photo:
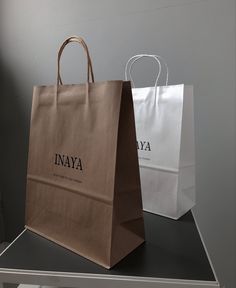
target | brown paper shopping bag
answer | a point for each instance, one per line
(83, 185)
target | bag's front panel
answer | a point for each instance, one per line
(72, 156)
(160, 191)
(73, 136)
(158, 126)
(71, 220)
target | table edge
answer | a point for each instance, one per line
(68, 278)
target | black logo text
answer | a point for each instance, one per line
(68, 161)
(143, 145)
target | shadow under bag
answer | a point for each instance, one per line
(165, 141)
(83, 185)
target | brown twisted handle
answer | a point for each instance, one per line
(90, 75)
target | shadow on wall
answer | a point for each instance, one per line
(14, 148)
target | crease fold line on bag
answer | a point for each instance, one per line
(87, 194)
(166, 169)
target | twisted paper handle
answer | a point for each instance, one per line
(90, 75)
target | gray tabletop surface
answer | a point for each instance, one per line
(173, 249)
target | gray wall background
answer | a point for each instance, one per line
(197, 39)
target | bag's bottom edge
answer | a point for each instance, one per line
(166, 215)
(78, 253)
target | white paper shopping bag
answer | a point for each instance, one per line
(165, 142)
